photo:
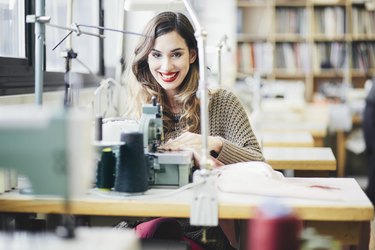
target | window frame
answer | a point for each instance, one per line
(17, 74)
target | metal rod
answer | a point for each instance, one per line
(219, 66)
(219, 47)
(201, 35)
(69, 20)
(110, 29)
(39, 52)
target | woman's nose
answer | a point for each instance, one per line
(166, 64)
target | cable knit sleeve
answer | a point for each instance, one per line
(229, 121)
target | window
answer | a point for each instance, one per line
(17, 46)
(12, 26)
(86, 47)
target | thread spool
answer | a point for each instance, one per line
(105, 174)
(99, 128)
(131, 168)
(275, 227)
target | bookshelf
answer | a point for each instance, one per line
(315, 41)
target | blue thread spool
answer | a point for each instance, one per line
(131, 169)
(105, 174)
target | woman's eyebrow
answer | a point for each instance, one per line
(177, 49)
(174, 50)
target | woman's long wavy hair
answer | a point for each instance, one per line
(144, 85)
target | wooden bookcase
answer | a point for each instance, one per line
(310, 40)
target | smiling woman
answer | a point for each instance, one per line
(166, 65)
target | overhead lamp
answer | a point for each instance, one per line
(156, 5)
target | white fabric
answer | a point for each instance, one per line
(258, 178)
(112, 128)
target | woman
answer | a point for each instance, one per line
(369, 134)
(165, 65)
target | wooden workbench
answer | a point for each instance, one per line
(282, 116)
(344, 217)
(300, 158)
(316, 128)
(287, 139)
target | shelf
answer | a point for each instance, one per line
(290, 38)
(289, 3)
(325, 38)
(241, 37)
(282, 73)
(310, 40)
(324, 3)
(329, 73)
(253, 4)
(362, 73)
(363, 37)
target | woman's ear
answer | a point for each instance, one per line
(193, 55)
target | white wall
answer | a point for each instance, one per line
(219, 18)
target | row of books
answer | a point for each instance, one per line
(296, 57)
(293, 57)
(255, 57)
(363, 56)
(256, 21)
(331, 55)
(330, 21)
(363, 21)
(291, 20)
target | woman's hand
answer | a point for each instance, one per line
(193, 142)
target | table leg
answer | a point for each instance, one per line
(341, 153)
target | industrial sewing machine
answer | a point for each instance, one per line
(52, 148)
(166, 169)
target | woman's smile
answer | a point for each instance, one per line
(169, 77)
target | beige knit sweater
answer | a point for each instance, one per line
(228, 120)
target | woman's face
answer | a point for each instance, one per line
(169, 61)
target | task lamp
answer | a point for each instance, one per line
(204, 209)
(70, 54)
(40, 20)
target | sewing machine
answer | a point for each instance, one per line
(52, 148)
(166, 169)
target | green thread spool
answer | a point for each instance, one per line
(105, 174)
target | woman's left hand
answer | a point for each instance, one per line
(193, 142)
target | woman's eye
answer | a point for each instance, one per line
(177, 54)
(156, 55)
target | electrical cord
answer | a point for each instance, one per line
(128, 196)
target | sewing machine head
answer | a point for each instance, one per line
(167, 169)
(52, 148)
(151, 126)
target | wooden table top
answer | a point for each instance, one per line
(349, 202)
(316, 128)
(300, 158)
(287, 139)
